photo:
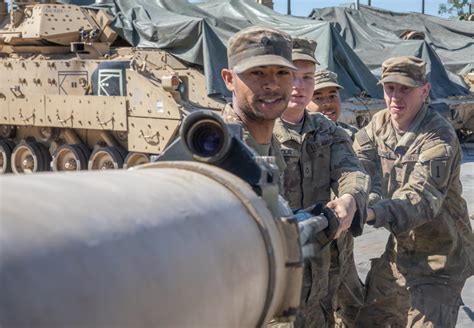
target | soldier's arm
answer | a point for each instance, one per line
(366, 151)
(421, 198)
(349, 177)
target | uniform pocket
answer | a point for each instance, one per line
(408, 163)
(318, 168)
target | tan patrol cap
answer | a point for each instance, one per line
(259, 46)
(324, 79)
(406, 70)
(303, 49)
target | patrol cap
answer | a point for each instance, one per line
(259, 46)
(405, 70)
(324, 79)
(303, 49)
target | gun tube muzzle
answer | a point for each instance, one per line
(176, 244)
(206, 136)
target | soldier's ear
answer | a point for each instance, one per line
(228, 77)
(426, 90)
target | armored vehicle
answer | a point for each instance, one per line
(70, 101)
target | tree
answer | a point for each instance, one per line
(454, 6)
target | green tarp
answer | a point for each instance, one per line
(374, 35)
(351, 43)
(198, 34)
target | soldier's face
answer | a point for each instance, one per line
(260, 93)
(327, 102)
(404, 102)
(303, 85)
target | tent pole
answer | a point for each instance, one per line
(422, 6)
(288, 7)
(357, 4)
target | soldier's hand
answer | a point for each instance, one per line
(345, 208)
(370, 216)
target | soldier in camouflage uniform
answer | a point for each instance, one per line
(319, 159)
(414, 156)
(346, 291)
(260, 79)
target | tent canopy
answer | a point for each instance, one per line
(374, 35)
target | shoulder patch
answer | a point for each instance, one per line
(362, 137)
(439, 171)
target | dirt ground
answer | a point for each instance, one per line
(372, 243)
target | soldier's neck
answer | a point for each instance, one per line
(292, 116)
(404, 125)
(398, 126)
(261, 131)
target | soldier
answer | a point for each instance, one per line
(346, 291)
(319, 159)
(326, 99)
(260, 78)
(414, 158)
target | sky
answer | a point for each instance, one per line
(304, 7)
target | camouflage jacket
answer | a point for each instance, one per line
(350, 130)
(417, 181)
(231, 117)
(319, 160)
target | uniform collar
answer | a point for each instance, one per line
(387, 134)
(283, 134)
(412, 132)
(230, 116)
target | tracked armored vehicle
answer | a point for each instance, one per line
(70, 100)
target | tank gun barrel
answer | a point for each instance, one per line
(171, 244)
(178, 242)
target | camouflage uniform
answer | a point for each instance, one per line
(346, 288)
(251, 48)
(320, 159)
(346, 292)
(416, 195)
(350, 130)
